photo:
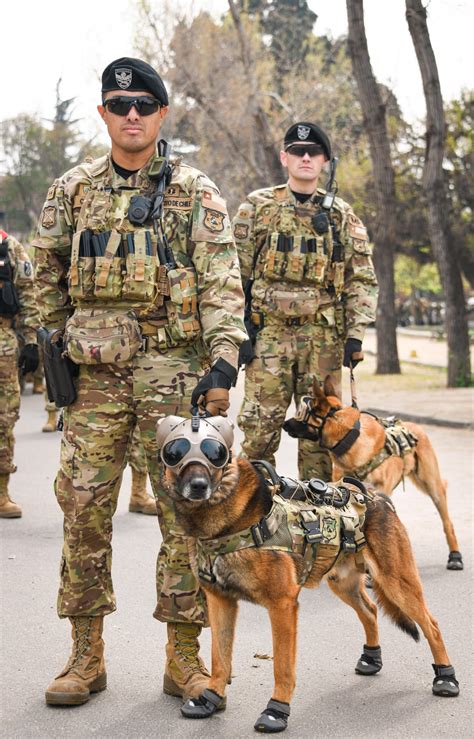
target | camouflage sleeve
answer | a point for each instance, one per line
(360, 282)
(220, 295)
(27, 320)
(243, 231)
(52, 244)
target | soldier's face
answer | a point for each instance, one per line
(305, 169)
(132, 132)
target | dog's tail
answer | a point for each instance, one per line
(396, 582)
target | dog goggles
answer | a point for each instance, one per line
(197, 440)
(121, 105)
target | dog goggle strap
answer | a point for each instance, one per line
(303, 412)
(176, 450)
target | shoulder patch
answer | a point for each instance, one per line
(49, 217)
(356, 228)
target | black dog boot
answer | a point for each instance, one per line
(274, 718)
(455, 561)
(206, 705)
(445, 683)
(370, 661)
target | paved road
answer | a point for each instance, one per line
(330, 700)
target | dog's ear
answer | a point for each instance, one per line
(318, 393)
(329, 387)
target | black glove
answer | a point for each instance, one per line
(246, 353)
(29, 358)
(221, 375)
(350, 347)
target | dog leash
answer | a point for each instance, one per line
(353, 387)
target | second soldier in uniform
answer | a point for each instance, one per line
(150, 301)
(313, 294)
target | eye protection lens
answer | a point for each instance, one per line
(175, 451)
(215, 452)
(299, 151)
(122, 105)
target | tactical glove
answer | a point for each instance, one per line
(220, 377)
(351, 347)
(29, 359)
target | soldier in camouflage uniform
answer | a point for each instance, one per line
(18, 316)
(151, 324)
(314, 291)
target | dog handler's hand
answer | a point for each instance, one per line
(217, 382)
(352, 353)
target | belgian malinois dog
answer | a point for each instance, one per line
(228, 496)
(324, 418)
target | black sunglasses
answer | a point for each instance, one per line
(175, 451)
(121, 105)
(300, 150)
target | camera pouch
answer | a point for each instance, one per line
(98, 336)
(275, 264)
(182, 311)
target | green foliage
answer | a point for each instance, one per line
(412, 277)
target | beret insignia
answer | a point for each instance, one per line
(123, 77)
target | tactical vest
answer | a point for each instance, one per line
(300, 527)
(9, 302)
(117, 265)
(296, 265)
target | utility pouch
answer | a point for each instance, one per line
(181, 308)
(339, 318)
(290, 303)
(275, 264)
(296, 259)
(140, 281)
(81, 271)
(108, 268)
(98, 336)
(316, 261)
(59, 371)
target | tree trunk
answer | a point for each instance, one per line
(459, 362)
(373, 111)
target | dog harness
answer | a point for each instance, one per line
(399, 441)
(328, 519)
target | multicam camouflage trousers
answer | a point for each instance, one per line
(287, 359)
(111, 401)
(136, 452)
(9, 397)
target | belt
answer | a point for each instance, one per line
(260, 320)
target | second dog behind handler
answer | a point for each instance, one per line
(314, 293)
(104, 269)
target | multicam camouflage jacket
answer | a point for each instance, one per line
(26, 321)
(300, 272)
(90, 256)
(302, 528)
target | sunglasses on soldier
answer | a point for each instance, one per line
(121, 105)
(299, 150)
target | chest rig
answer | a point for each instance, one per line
(297, 247)
(307, 519)
(129, 252)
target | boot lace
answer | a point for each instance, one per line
(187, 648)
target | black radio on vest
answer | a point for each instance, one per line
(9, 303)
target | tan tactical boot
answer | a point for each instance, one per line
(85, 671)
(140, 501)
(8, 509)
(50, 424)
(38, 387)
(185, 673)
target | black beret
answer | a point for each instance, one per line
(133, 74)
(306, 133)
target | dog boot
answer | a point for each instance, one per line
(204, 706)
(274, 718)
(445, 683)
(85, 671)
(50, 424)
(185, 673)
(8, 509)
(370, 661)
(140, 501)
(455, 561)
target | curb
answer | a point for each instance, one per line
(427, 420)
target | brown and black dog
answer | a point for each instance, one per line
(330, 423)
(217, 503)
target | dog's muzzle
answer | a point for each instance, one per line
(298, 426)
(198, 440)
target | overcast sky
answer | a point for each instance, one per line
(48, 39)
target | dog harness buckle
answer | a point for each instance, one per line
(313, 533)
(260, 532)
(348, 543)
